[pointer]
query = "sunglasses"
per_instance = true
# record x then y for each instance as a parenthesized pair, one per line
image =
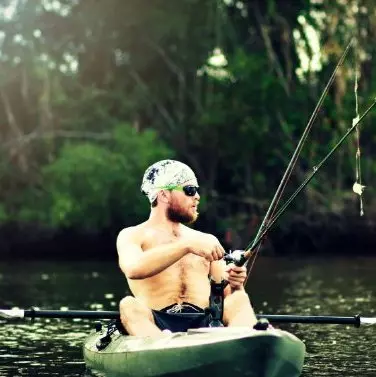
(188, 190)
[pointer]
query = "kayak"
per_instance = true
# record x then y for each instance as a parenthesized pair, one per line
(218, 351)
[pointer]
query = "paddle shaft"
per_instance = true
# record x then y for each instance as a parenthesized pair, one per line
(82, 314)
(93, 314)
(313, 319)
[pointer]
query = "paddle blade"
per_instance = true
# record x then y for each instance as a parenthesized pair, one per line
(368, 321)
(12, 313)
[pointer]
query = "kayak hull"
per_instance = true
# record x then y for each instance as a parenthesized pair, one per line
(218, 351)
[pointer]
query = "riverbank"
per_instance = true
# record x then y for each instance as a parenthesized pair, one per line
(303, 235)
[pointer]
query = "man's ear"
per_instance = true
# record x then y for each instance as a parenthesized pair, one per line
(163, 196)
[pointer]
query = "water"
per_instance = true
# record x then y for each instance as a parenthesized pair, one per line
(317, 287)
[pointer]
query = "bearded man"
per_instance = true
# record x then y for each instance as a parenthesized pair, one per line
(167, 263)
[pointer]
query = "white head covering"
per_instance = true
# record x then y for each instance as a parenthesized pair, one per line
(165, 173)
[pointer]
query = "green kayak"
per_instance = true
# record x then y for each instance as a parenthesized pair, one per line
(218, 351)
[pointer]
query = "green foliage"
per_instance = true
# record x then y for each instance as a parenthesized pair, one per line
(78, 81)
(91, 186)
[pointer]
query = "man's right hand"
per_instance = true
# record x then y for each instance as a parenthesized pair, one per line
(206, 246)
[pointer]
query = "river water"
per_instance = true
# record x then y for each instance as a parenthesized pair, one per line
(292, 286)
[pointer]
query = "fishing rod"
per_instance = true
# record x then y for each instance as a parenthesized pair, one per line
(240, 258)
(291, 165)
(315, 169)
(299, 147)
(356, 320)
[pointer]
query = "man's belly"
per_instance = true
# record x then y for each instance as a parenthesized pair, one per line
(159, 293)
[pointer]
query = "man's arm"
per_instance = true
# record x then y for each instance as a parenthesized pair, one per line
(233, 274)
(137, 264)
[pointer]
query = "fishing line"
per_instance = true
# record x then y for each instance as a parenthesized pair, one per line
(358, 187)
(315, 169)
(277, 196)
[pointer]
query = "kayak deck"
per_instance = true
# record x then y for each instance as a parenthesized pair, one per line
(225, 351)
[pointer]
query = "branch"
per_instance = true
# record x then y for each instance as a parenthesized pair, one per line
(264, 29)
(16, 130)
(286, 37)
(178, 72)
(162, 110)
(37, 135)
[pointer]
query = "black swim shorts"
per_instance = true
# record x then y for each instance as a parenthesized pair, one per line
(181, 317)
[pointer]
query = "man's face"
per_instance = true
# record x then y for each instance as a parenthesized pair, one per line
(182, 208)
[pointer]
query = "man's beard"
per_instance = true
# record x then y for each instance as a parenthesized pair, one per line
(176, 215)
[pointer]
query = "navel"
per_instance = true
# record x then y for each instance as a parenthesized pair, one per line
(183, 289)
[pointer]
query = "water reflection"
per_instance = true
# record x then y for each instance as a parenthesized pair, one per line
(54, 347)
(40, 348)
(336, 287)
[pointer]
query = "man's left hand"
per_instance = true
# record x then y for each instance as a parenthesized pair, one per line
(236, 275)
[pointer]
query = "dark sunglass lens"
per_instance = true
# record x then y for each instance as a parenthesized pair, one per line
(190, 190)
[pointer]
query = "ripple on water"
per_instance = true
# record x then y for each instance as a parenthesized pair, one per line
(333, 350)
(54, 347)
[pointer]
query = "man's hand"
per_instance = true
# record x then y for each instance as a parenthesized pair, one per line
(206, 246)
(236, 276)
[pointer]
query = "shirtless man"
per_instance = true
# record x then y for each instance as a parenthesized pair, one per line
(167, 264)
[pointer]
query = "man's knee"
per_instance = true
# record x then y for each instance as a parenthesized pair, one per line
(238, 299)
(237, 303)
(131, 308)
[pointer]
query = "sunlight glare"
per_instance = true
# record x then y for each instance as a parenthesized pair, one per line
(10, 10)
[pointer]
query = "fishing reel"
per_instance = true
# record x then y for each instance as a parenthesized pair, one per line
(236, 257)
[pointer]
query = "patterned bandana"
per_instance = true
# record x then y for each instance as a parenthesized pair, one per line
(165, 173)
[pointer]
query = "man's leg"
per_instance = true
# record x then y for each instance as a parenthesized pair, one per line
(238, 310)
(137, 318)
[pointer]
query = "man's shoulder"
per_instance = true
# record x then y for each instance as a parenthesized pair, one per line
(131, 231)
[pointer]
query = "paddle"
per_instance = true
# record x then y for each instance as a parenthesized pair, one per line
(276, 318)
(37, 313)
(319, 319)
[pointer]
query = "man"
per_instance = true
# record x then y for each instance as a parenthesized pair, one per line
(167, 264)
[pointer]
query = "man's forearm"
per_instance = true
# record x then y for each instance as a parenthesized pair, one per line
(229, 290)
(157, 259)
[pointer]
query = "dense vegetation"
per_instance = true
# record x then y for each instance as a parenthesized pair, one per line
(92, 92)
